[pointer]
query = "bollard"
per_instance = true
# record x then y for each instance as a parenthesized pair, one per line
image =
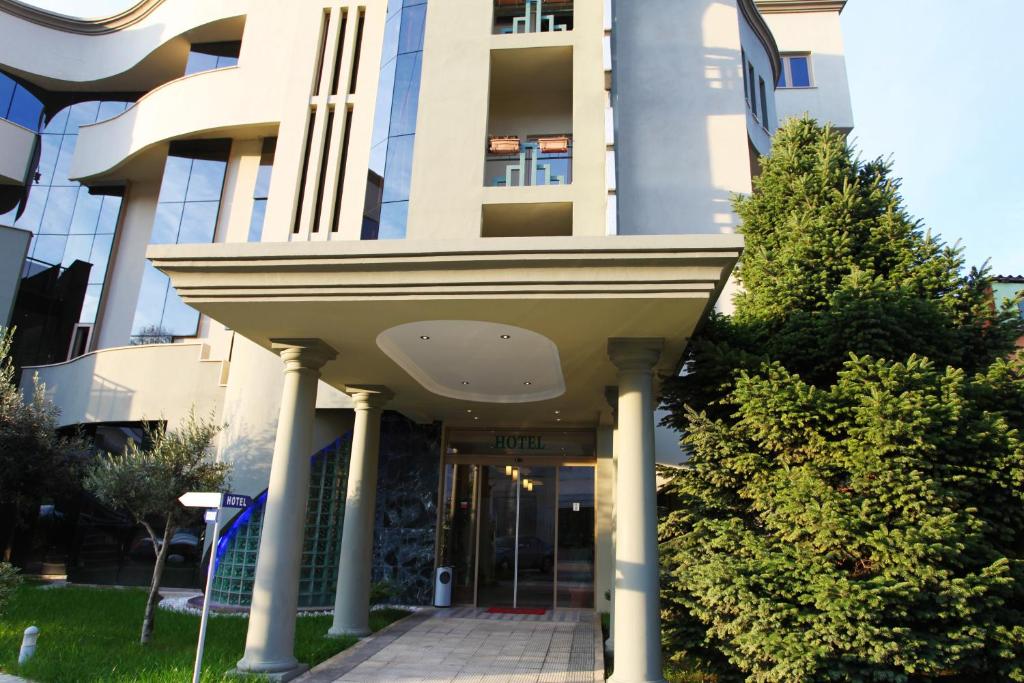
(28, 644)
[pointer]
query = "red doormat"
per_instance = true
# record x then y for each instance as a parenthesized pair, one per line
(516, 610)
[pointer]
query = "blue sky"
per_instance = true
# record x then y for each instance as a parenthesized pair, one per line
(936, 84)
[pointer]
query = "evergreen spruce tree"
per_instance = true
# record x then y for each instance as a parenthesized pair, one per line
(853, 508)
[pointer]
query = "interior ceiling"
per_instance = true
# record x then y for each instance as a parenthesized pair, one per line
(579, 328)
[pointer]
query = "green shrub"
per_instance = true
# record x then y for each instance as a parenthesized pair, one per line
(10, 579)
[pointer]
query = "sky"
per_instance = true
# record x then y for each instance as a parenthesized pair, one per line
(935, 87)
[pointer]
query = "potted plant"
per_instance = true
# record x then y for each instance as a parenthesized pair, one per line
(504, 144)
(554, 144)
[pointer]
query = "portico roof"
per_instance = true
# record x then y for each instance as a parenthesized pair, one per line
(451, 299)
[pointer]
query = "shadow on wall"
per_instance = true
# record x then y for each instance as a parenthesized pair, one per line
(681, 137)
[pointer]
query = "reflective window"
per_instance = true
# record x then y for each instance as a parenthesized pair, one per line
(18, 105)
(261, 192)
(186, 212)
(209, 56)
(386, 210)
(796, 71)
(70, 222)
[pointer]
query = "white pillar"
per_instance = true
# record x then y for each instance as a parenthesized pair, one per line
(269, 643)
(637, 634)
(352, 601)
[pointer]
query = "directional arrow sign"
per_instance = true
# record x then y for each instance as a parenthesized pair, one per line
(201, 499)
(236, 500)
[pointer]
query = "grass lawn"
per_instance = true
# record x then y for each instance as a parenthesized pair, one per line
(92, 634)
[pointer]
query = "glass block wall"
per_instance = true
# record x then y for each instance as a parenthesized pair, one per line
(236, 552)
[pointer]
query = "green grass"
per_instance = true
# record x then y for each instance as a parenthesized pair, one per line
(92, 634)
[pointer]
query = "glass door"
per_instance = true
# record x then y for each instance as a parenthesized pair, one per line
(517, 536)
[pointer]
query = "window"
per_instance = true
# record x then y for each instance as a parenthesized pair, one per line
(796, 71)
(18, 105)
(752, 79)
(186, 212)
(764, 103)
(743, 68)
(209, 56)
(262, 190)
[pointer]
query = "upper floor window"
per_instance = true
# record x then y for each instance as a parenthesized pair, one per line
(763, 91)
(796, 71)
(18, 105)
(752, 80)
(208, 56)
(261, 192)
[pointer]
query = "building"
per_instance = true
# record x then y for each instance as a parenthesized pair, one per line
(1009, 288)
(428, 262)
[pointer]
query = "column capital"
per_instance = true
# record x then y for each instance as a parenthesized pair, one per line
(637, 354)
(369, 396)
(303, 354)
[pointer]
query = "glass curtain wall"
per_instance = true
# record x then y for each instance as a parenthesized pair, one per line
(69, 222)
(261, 192)
(394, 127)
(186, 213)
(18, 105)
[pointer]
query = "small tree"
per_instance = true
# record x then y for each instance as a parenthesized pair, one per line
(147, 481)
(34, 461)
(10, 579)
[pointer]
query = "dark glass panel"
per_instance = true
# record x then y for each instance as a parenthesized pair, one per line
(205, 181)
(393, 220)
(151, 301)
(62, 168)
(179, 319)
(48, 248)
(801, 72)
(82, 114)
(33, 214)
(166, 223)
(413, 20)
(59, 208)
(25, 110)
(198, 222)
(406, 94)
(576, 537)
(99, 257)
(77, 248)
(87, 213)
(175, 181)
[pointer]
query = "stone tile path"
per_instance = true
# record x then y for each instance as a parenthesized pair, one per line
(449, 646)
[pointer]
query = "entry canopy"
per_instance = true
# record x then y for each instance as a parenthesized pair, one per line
(574, 292)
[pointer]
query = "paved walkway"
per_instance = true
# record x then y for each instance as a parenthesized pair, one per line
(445, 646)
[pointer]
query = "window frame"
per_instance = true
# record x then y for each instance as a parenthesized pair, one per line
(786, 79)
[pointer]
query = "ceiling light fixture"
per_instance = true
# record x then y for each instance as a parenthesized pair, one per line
(424, 337)
(527, 382)
(558, 412)
(465, 383)
(506, 336)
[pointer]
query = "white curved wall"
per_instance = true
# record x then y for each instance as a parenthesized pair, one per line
(61, 60)
(201, 105)
(132, 383)
(18, 145)
(761, 129)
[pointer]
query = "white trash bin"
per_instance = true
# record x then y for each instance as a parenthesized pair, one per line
(443, 587)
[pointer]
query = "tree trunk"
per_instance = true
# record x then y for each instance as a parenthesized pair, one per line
(154, 587)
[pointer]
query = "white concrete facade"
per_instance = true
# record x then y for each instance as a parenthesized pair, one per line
(496, 304)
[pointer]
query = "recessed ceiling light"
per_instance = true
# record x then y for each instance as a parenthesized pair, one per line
(527, 382)
(506, 336)
(469, 410)
(424, 337)
(465, 383)
(558, 419)
(475, 417)
(558, 412)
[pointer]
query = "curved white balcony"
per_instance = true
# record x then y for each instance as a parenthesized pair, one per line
(132, 51)
(133, 383)
(207, 104)
(18, 145)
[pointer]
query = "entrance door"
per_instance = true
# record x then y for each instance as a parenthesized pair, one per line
(518, 522)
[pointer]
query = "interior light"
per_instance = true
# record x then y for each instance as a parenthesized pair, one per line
(558, 412)
(469, 410)
(530, 487)
(475, 417)
(506, 336)
(515, 474)
(424, 337)
(508, 470)
(558, 419)
(465, 383)
(527, 382)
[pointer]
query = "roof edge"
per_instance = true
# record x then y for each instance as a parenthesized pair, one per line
(752, 13)
(798, 6)
(61, 22)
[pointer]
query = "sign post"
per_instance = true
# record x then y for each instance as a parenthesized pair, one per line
(213, 501)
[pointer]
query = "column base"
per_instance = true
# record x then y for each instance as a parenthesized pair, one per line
(275, 676)
(336, 632)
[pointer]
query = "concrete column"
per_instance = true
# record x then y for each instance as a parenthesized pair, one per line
(637, 633)
(269, 643)
(352, 601)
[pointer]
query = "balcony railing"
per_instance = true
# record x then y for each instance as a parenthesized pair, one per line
(541, 160)
(532, 16)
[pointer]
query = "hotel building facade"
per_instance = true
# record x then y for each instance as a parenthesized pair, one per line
(427, 262)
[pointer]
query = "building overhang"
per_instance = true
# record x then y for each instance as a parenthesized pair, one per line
(576, 292)
(799, 6)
